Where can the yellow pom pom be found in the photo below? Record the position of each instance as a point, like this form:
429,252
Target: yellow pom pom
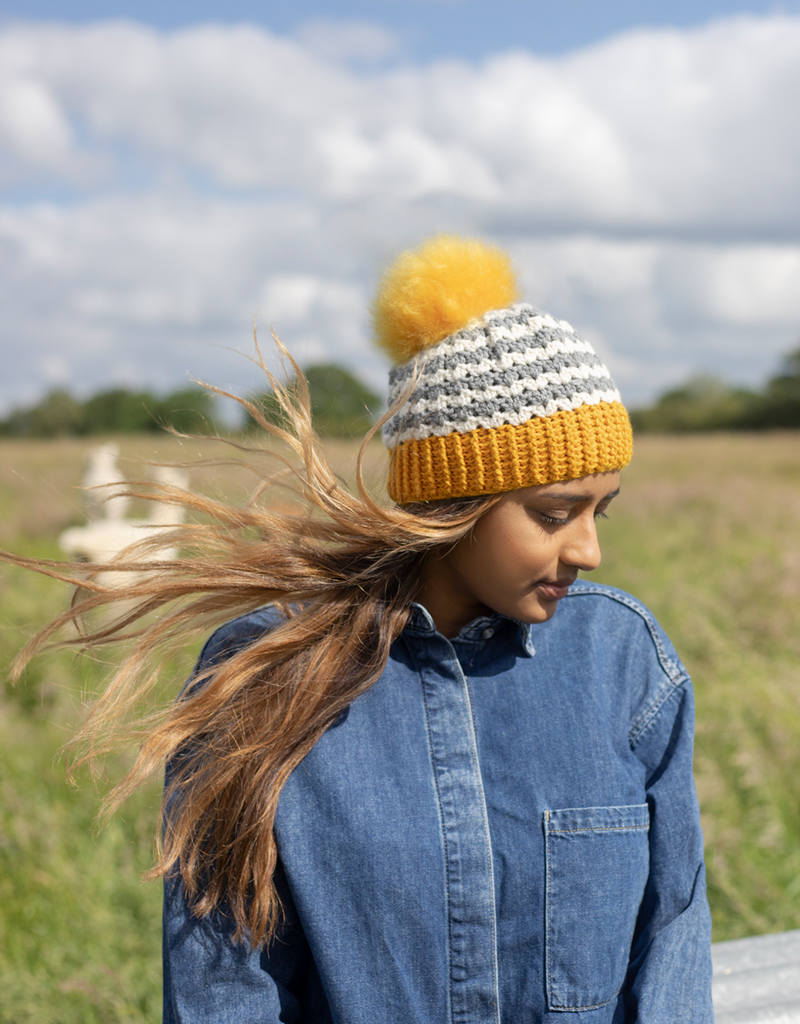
436,290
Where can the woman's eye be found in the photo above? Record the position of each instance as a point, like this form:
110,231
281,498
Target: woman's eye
553,520
601,515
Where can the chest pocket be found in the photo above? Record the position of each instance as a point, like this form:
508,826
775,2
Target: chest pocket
597,862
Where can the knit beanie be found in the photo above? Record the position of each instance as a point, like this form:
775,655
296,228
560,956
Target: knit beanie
494,395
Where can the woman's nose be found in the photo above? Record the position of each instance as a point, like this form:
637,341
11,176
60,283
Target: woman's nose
581,547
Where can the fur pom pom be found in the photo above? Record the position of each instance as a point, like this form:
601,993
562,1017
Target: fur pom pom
436,290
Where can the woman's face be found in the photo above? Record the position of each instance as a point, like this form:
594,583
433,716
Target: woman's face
521,556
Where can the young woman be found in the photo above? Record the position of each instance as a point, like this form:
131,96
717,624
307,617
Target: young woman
428,775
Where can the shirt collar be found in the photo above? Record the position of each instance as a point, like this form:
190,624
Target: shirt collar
480,629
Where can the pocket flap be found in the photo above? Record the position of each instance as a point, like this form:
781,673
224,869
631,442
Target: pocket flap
597,819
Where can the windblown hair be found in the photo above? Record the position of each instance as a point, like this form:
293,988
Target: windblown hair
343,570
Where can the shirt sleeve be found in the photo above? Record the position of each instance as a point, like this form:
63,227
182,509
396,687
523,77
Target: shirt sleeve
669,980
210,979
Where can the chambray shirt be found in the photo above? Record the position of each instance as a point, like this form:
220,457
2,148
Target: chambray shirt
504,828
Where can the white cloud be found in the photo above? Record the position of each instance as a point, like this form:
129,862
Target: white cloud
348,41
755,285
654,127
295,298
658,311
32,122
646,186
148,290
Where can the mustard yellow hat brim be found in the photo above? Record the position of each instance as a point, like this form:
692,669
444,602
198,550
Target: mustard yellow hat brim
544,450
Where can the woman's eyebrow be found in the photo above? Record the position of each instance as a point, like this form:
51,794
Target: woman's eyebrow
576,497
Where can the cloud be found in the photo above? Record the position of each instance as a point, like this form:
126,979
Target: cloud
147,290
646,186
659,311
32,123
753,285
347,42
653,128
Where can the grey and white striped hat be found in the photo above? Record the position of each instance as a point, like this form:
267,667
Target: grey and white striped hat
510,398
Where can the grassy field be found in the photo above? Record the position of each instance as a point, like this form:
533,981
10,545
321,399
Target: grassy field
707,532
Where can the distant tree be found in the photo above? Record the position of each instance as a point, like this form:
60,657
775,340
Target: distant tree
341,404
117,410
121,411
188,410
58,414
779,404
703,403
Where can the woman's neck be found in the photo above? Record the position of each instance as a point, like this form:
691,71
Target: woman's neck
445,601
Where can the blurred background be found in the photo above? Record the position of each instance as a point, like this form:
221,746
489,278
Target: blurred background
172,173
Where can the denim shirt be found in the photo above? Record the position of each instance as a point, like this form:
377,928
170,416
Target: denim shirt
504,828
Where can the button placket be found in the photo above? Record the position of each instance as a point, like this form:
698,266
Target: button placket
464,819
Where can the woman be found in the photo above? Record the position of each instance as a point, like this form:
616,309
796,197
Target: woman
437,778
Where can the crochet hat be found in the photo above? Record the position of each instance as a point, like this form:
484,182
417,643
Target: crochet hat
495,395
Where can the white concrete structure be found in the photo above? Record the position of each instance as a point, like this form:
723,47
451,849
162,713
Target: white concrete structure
104,483
108,532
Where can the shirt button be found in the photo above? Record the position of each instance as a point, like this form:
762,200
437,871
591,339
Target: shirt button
487,633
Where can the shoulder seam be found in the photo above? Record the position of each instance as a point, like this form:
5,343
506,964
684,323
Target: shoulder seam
676,675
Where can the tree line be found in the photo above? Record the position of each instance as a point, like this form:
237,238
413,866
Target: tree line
341,405
707,403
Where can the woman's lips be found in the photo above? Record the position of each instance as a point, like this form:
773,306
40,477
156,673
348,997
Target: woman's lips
554,590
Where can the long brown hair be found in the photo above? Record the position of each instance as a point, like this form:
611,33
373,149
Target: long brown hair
343,570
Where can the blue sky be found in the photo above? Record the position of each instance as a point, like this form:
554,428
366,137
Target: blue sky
426,29
169,172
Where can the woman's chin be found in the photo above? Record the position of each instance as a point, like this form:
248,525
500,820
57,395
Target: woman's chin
538,611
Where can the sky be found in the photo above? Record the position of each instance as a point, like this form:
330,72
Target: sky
171,174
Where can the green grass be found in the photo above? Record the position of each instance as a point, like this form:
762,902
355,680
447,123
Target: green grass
78,928
706,531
